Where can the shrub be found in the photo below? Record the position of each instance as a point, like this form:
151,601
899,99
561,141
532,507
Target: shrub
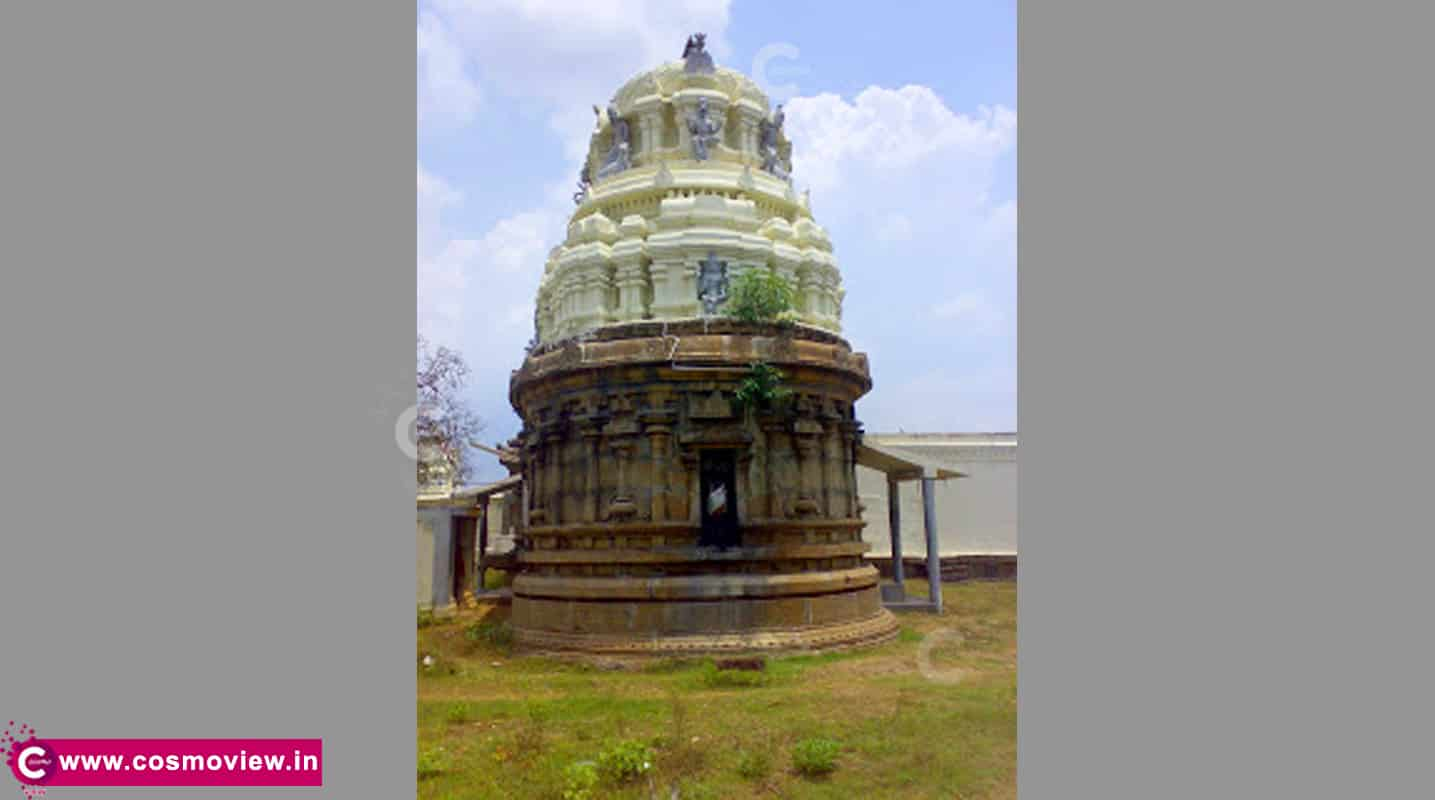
754,765
759,295
909,635
498,634
579,781
529,740
715,678
762,387
815,756
432,761
789,317
625,761
458,713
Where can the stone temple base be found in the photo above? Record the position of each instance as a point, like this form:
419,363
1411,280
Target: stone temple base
708,614
876,630
625,434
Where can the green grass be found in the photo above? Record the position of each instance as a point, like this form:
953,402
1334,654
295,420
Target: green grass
493,725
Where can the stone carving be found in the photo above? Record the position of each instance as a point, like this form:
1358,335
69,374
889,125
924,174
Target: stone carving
617,159
712,283
711,406
767,145
695,55
584,181
705,130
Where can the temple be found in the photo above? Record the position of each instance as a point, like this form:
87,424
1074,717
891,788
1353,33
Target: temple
661,510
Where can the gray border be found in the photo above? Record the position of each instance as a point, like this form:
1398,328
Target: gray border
208,314
1224,400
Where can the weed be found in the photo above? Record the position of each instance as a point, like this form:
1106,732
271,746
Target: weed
458,713
754,765
715,678
579,781
530,738
683,756
762,387
625,761
815,757
498,634
434,761
760,295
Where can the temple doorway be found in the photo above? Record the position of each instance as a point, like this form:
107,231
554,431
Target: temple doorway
718,485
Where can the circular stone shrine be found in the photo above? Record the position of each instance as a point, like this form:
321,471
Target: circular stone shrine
663,512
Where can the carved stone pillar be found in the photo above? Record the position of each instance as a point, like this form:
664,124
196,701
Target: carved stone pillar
548,494
807,435
772,434
643,153
631,277
834,486
749,138
659,422
533,467
621,435
591,431
850,433
691,484
681,111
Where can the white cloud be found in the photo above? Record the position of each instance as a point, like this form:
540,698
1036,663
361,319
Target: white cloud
892,130
569,55
476,292
519,242
901,167
916,197
446,93
443,260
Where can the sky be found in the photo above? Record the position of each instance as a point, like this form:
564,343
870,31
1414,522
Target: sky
903,123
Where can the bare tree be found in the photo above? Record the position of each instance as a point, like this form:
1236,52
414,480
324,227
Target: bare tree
445,424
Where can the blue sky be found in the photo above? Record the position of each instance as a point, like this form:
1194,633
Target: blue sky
903,121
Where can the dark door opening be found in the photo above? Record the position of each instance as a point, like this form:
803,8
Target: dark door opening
718,484
460,556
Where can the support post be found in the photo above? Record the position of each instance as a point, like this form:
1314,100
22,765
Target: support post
482,544
934,557
894,527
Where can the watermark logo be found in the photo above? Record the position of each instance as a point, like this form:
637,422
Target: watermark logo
38,765
763,75
930,642
405,431
31,761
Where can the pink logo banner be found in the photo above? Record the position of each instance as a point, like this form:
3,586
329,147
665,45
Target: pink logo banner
167,762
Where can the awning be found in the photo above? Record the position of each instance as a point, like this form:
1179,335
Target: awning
901,468
488,489
469,496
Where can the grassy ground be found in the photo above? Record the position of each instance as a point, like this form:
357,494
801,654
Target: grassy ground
491,725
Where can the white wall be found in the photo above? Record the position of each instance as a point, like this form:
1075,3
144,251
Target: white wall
975,515
425,553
